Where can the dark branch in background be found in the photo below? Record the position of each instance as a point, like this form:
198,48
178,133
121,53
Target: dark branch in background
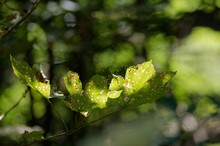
14,106
22,19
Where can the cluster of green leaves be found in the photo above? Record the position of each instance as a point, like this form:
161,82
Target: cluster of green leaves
141,84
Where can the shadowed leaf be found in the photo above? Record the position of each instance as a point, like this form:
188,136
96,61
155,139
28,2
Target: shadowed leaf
32,136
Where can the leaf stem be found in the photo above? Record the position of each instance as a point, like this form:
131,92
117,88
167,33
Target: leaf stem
62,120
80,127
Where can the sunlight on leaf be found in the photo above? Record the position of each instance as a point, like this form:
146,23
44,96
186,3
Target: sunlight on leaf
116,83
73,83
116,86
94,96
24,72
75,101
137,76
114,94
96,90
141,84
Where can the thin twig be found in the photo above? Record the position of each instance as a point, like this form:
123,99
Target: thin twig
62,120
77,129
14,106
22,19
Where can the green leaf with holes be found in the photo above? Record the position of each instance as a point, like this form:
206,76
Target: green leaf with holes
73,83
116,82
92,97
153,89
76,100
114,94
96,91
116,86
137,76
141,85
24,72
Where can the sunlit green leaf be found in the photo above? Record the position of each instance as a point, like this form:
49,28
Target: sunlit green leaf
33,79
75,101
116,86
94,96
73,83
137,76
141,85
96,90
114,94
116,83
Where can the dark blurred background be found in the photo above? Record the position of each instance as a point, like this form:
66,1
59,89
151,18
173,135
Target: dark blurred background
88,36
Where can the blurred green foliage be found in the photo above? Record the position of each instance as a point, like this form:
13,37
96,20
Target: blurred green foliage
198,59
87,36
8,97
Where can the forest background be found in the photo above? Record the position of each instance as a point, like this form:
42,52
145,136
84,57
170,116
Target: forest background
89,36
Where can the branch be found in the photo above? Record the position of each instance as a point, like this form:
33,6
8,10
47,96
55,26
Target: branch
22,19
80,127
71,131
